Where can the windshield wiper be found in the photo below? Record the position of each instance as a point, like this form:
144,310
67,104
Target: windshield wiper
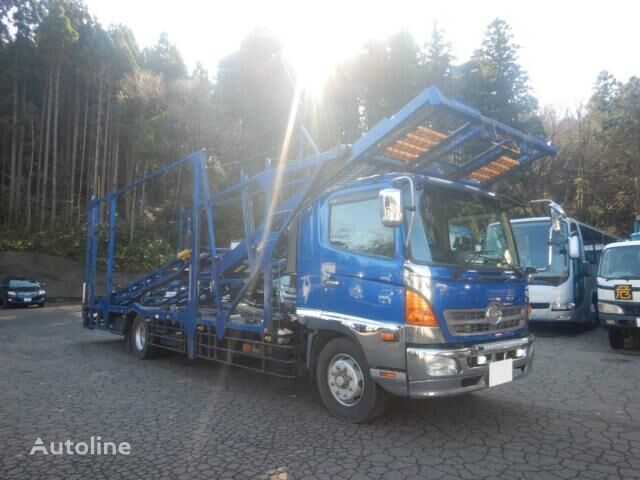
479,254
517,270
498,259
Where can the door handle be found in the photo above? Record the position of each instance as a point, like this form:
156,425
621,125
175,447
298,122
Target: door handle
331,282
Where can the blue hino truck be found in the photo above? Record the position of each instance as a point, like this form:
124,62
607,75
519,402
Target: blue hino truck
368,267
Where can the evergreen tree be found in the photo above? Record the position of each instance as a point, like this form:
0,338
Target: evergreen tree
438,61
496,83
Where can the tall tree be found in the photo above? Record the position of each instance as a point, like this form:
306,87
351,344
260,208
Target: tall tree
55,37
438,60
164,59
496,83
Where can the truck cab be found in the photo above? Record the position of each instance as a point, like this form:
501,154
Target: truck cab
619,291
435,300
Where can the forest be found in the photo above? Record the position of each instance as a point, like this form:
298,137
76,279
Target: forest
84,110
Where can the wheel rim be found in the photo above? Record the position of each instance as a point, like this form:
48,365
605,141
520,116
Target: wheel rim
140,335
345,379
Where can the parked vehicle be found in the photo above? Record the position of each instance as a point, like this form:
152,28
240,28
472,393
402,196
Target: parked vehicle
20,291
619,291
636,229
563,288
385,247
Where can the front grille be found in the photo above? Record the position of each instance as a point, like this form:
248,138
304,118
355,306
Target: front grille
539,306
474,322
631,308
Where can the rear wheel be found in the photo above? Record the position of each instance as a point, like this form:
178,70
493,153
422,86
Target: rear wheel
345,385
139,338
616,339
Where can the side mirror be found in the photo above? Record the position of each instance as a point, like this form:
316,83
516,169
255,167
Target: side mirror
574,247
391,207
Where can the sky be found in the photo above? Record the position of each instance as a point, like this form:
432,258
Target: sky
564,44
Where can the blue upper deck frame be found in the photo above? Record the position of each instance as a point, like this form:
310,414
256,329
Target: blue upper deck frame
437,136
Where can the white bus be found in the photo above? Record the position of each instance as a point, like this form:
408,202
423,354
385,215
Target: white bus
563,287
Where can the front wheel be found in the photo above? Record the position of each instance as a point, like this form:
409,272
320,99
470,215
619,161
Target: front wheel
616,339
139,338
345,384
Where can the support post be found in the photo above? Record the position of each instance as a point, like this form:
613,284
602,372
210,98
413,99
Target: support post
112,202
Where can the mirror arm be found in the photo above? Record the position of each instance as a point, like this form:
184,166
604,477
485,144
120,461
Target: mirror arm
411,208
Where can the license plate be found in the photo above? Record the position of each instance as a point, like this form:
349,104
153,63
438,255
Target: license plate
26,299
500,372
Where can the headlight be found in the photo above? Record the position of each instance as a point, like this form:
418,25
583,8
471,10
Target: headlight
563,306
41,292
11,294
438,366
610,308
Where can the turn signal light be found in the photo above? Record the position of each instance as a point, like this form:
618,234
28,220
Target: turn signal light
418,312
389,337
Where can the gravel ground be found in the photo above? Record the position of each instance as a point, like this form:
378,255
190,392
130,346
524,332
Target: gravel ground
576,416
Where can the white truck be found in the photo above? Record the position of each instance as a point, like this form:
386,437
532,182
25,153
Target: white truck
619,291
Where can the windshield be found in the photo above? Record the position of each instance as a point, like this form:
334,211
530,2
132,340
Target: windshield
462,228
621,262
23,284
533,246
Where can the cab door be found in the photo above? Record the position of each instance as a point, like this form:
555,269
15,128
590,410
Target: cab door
361,270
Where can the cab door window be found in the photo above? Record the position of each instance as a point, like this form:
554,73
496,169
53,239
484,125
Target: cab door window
356,226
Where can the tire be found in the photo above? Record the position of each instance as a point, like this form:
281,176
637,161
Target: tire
5,304
41,305
139,339
362,399
616,339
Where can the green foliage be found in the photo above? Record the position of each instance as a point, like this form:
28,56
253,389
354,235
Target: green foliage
122,113
63,242
495,82
164,59
56,35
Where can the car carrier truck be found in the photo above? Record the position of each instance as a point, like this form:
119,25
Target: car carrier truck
367,267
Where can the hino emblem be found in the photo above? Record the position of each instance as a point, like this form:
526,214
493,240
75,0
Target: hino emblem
493,313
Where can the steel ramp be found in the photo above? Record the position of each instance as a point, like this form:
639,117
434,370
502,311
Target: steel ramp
436,136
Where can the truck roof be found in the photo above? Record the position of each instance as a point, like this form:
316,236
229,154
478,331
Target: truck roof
627,243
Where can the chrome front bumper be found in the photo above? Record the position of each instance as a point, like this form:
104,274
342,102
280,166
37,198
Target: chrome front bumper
470,376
